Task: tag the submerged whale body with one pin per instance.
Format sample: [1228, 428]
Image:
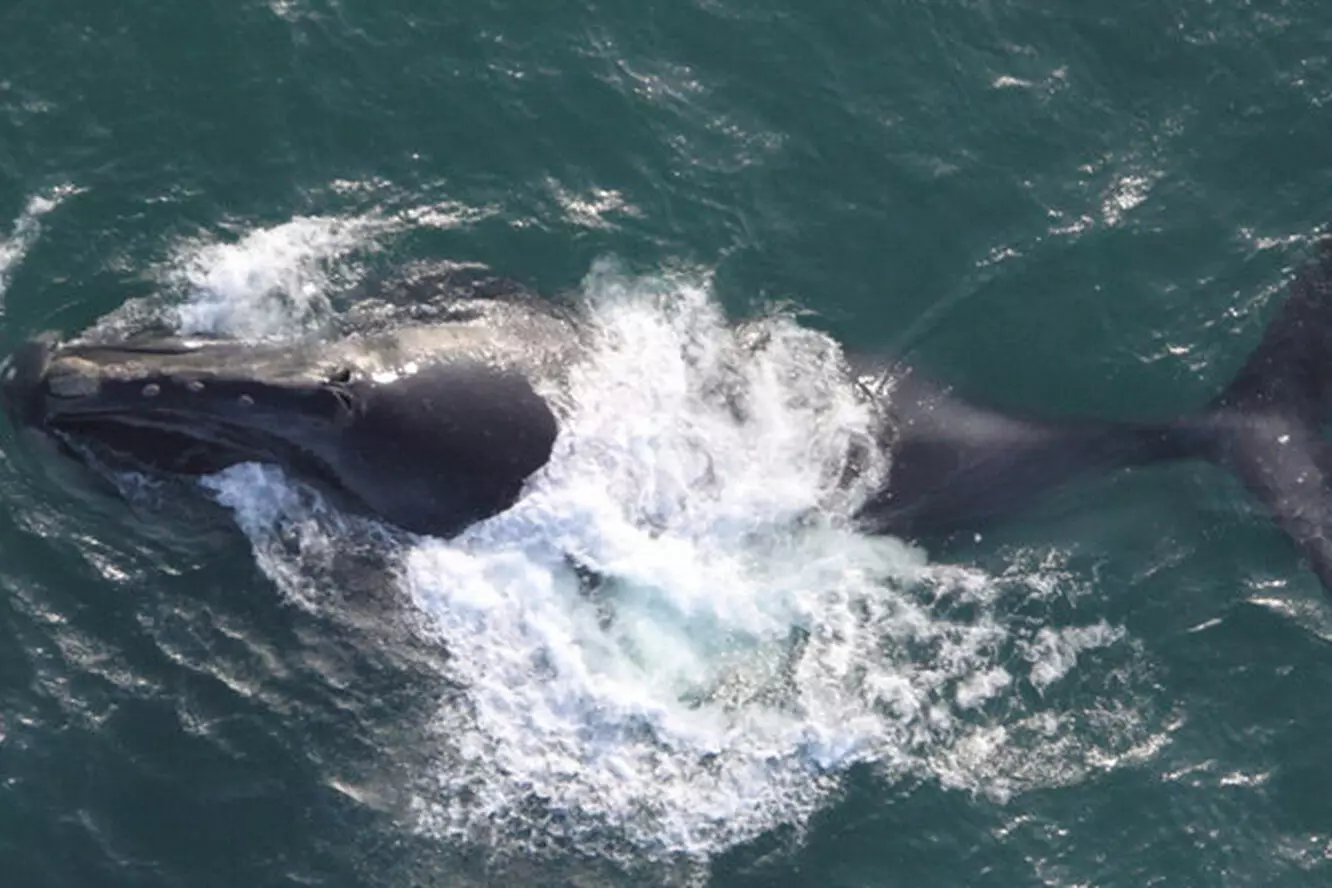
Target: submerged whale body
[435, 424]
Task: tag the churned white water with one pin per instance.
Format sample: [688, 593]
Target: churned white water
[24, 232]
[677, 639]
[272, 281]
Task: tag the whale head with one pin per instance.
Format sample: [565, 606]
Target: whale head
[428, 445]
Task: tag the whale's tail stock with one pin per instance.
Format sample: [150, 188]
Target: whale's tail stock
[957, 464]
[1267, 425]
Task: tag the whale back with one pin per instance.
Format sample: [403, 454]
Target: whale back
[444, 447]
[957, 465]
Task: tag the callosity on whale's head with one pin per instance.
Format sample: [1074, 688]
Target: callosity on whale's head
[431, 428]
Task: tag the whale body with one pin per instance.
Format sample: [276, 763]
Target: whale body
[434, 425]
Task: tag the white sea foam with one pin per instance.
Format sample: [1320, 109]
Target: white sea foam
[25, 231]
[742, 645]
[272, 281]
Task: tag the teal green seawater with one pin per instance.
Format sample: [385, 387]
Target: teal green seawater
[1078, 207]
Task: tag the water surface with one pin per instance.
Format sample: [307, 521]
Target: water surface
[1083, 209]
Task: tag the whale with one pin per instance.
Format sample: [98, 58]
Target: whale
[434, 424]
[430, 426]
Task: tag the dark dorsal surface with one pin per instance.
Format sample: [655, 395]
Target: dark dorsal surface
[444, 447]
[957, 465]
[431, 421]
[1290, 370]
[438, 418]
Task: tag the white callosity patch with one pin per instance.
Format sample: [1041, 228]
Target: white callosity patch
[677, 638]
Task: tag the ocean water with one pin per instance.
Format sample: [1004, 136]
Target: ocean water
[1077, 209]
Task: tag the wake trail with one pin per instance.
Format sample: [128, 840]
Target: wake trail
[25, 232]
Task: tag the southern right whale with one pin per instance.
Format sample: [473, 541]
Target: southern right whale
[433, 426]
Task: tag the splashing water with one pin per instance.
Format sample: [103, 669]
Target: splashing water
[677, 639]
[273, 281]
[27, 228]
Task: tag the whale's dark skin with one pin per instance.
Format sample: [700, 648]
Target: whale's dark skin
[435, 425]
[957, 466]
[432, 426]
